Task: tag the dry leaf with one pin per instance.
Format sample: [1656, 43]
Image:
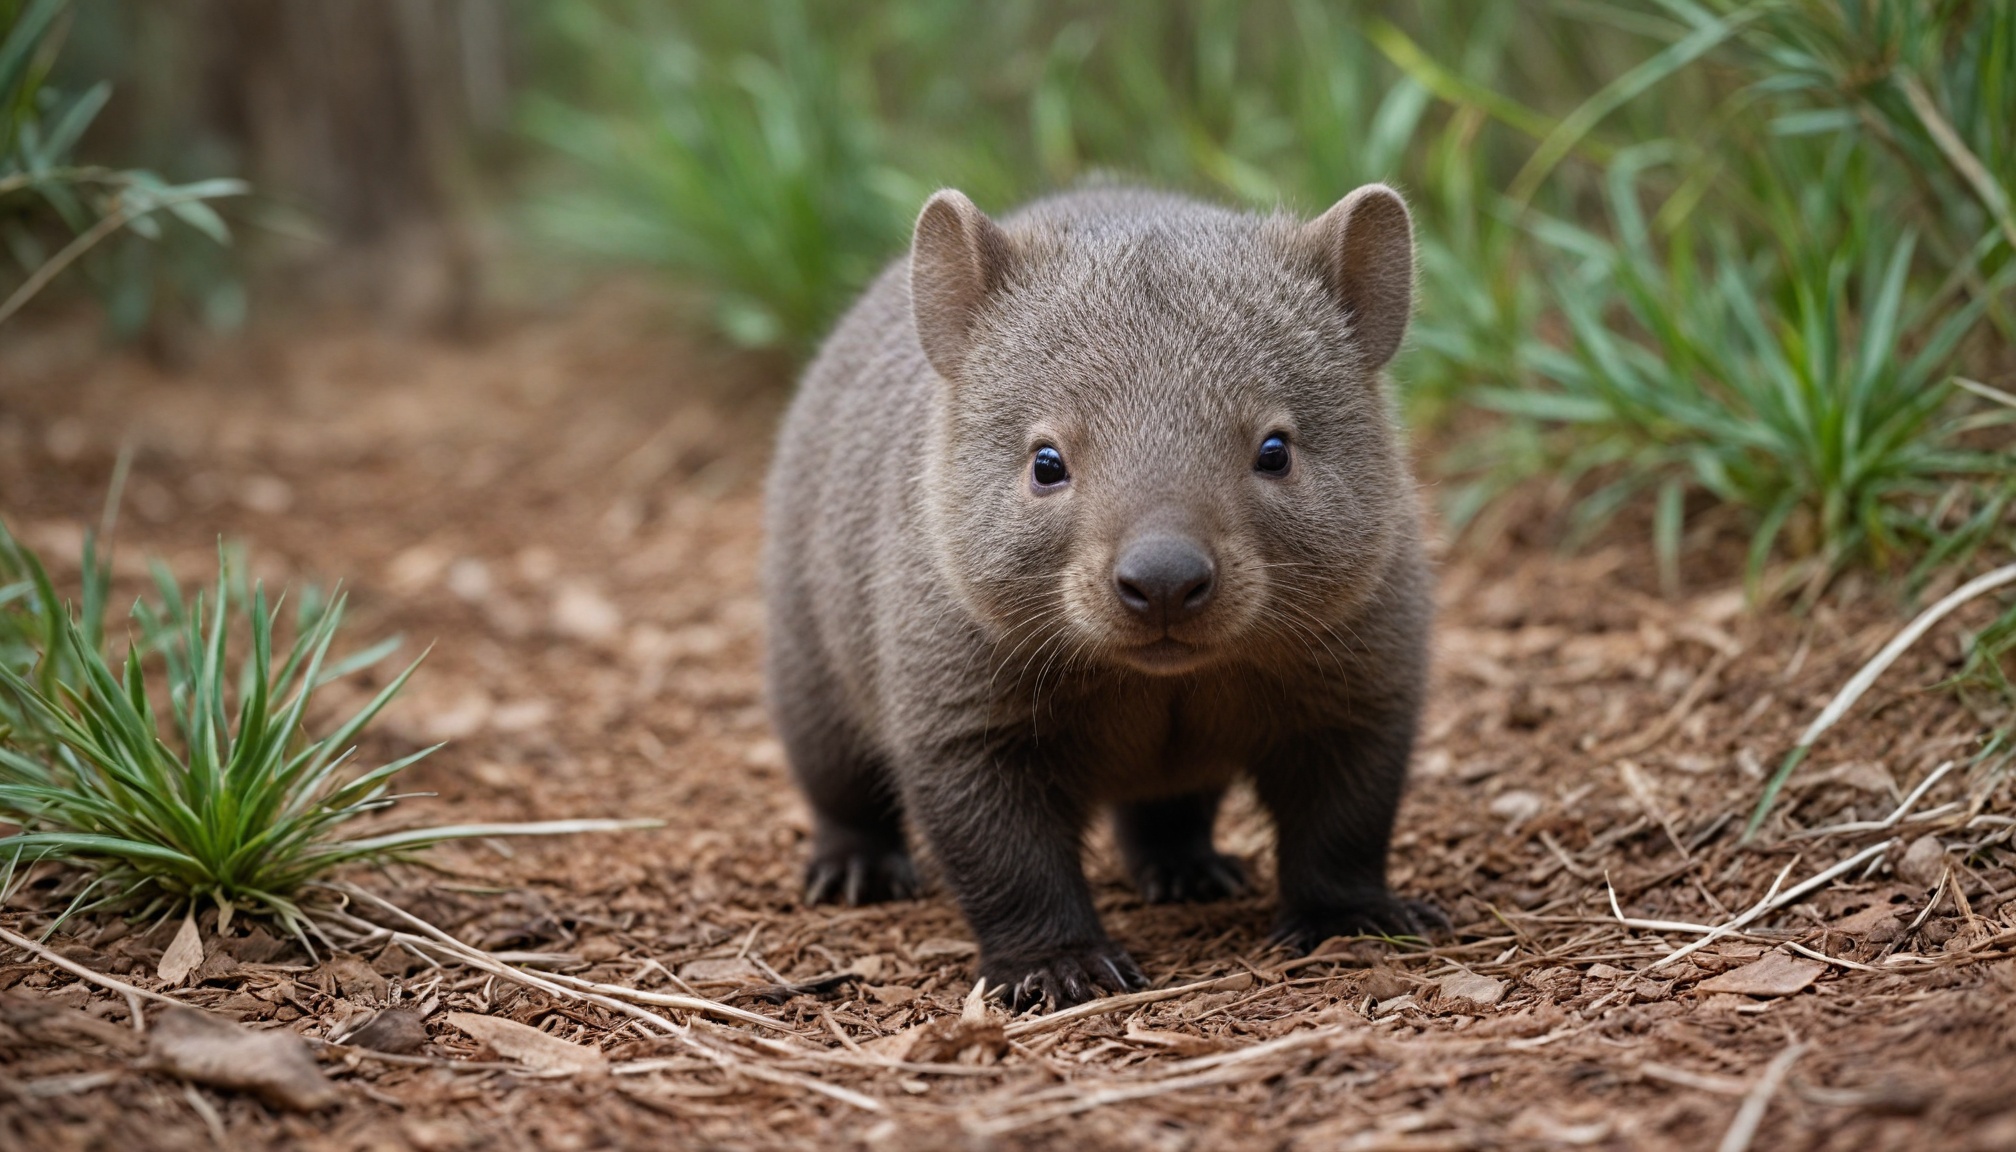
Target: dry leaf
[274, 1064]
[1777, 974]
[355, 978]
[184, 953]
[1876, 924]
[942, 948]
[528, 1045]
[399, 1031]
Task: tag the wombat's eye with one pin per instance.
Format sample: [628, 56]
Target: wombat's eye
[1048, 470]
[1273, 457]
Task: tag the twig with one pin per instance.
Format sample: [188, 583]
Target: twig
[1818, 955]
[1642, 792]
[1853, 690]
[1887, 822]
[1773, 901]
[477, 958]
[1750, 1114]
[99, 978]
[1091, 1008]
[1674, 716]
[85, 241]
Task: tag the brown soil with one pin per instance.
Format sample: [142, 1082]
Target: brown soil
[567, 511]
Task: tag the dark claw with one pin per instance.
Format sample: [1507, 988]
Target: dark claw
[1065, 977]
[860, 877]
[1190, 879]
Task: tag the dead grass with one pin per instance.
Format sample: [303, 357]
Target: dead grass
[568, 510]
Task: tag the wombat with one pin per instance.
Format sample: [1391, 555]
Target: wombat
[1102, 505]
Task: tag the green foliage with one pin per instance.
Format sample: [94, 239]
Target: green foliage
[1723, 252]
[45, 196]
[230, 798]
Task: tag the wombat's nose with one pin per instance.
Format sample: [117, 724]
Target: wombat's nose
[1164, 579]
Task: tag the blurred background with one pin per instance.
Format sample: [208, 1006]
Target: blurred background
[1737, 267]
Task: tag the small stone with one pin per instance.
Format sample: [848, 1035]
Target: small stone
[1924, 862]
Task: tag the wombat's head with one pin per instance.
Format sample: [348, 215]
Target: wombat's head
[1160, 438]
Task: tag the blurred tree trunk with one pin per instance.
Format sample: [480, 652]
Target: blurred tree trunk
[364, 113]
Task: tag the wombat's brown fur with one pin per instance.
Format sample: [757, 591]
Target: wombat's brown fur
[1102, 505]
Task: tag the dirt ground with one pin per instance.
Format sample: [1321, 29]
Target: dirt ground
[566, 508]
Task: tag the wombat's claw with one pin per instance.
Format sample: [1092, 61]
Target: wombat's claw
[1070, 977]
[857, 878]
[1190, 879]
[1382, 915]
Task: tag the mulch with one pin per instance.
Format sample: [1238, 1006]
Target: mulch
[567, 509]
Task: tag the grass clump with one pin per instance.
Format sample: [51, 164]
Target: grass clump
[185, 770]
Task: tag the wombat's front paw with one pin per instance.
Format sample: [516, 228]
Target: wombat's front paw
[1383, 914]
[1193, 878]
[1062, 977]
[856, 875]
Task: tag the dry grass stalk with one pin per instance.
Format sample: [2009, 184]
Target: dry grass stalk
[1750, 1114]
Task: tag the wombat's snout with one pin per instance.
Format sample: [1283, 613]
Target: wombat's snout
[1164, 579]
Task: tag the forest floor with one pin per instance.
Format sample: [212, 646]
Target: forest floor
[567, 509]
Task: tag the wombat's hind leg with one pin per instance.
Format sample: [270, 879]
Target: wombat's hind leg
[1167, 848]
[853, 869]
[858, 851]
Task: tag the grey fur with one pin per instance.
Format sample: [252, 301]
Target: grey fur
[945, 642]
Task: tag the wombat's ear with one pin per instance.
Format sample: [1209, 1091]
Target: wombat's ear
[957, 258]
[1365, 244]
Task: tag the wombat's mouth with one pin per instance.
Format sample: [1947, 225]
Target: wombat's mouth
[1167, 656]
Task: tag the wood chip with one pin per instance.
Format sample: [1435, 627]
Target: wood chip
[399, 1031]
[184, 953]
[1777, 974]
[528, 1045]
[274, 1064]
[1460, 991]
[355, 977]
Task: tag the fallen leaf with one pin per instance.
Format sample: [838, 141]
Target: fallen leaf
[892, 994]
[1776, 974]
[1876, 924]
[1385, 984]
[355, 977]
[528, 1045]
[399, 1031]
[942, 948]
[1467, 990]
[274, 1064]
[184, 953]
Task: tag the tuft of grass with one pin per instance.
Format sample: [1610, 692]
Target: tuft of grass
[1800, 384]
[185, 769]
